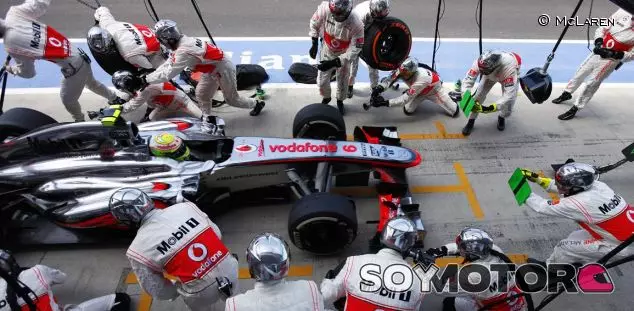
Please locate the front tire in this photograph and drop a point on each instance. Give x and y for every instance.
(319, 121)
(19, 121)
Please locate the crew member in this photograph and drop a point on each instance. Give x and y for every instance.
(32, 289)
(605, 217)
(367, 12)
(612, 47)
(268, 257)
(164, 97)
(495, 67)
(398, 238)
(179, 241)
(135, 42)
(476, 247)
(216, 68)
(424, 84)
(342, 39)
(27, 40)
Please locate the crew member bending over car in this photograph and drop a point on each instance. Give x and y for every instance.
(495, 67)
(32, 289)
(342, 39)
(613, 46)
(476, 247)
(180, 241)
(164, 97)
(268, 257)
(367, 12)
(424, 84)
(604, 215)
(27, 40)
(136, 43)
(216, 68)
(398, 238)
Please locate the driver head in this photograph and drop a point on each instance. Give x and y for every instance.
(268, 257)
(3, 28)
(340, 9)
(99, 39)
(8, 264)
(574, 177)
(167, 33)
(408, 68)
(130, 205)
(379, 8)
(489, 61)
(474, 244)
(399, 234)
(170, 146)
(126, 82)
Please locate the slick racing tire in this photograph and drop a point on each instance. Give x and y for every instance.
(387, 44)
(323, 223)
(319, 121)
(19, 121)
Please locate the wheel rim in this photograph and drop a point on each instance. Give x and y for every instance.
(320, 130)
(324, 236)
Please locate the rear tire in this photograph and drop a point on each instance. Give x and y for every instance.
(323, 223)
(19, 121)
(389, 29)
(319, 121)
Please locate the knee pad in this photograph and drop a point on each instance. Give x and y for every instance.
(121, 302)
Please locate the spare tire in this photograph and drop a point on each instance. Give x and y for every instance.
(19, 121)
(319, 121)
(250, 75)
(305, 73)
(387, 44)
(323, 223)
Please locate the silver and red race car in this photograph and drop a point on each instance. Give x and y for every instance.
(56, 178)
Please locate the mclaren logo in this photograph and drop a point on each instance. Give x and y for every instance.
(182, 231)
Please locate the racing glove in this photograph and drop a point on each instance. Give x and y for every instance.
(607, 53)
(534, 177)
(598, 42)
(377, 90)
(437, 252)
(326, 65)
(379, 101)
(117, 101)
(313, 48)
(485, 109)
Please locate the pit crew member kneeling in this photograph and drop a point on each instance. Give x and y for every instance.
(424, 84)
(604, 215)
(495, 67)
(268, 257)
(398, 238)
(31, 289)
(179, 241)
(476, 247)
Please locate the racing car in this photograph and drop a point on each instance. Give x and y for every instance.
(56, 178)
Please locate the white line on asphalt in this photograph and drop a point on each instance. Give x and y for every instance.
(466, 40)
(55, 90)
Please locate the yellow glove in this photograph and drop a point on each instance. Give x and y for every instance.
(485, 109)
(534, 177)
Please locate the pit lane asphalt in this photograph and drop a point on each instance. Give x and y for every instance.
(534, 138)
(501, 18)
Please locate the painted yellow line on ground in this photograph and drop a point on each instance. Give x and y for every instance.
(471, 197)
(145, 302)
(445, 261)
(441, 134)
(437, 189)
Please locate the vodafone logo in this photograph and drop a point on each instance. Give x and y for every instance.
(630, 215)
(310, 147)
(335, 43)
(147, 33)
(55, 42)
(245, 148)
(195, 249)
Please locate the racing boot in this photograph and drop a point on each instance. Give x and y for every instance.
(259, 105)
(326, 100)
(501, 123)
(342, 110)
(466, 131)
(568, 115)
(121, 302)
(350, 89)
(562, 98)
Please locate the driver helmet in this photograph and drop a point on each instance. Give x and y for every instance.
(126, 82)
(408, 68)
(99, 39)
(489, 61)
(268, 257)
(474, 244)
(575, 177)
(130, 205)
(8, 264)
(340, 9)
(379, 8)
(399, 234)
(167, 33)
(170, 146)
